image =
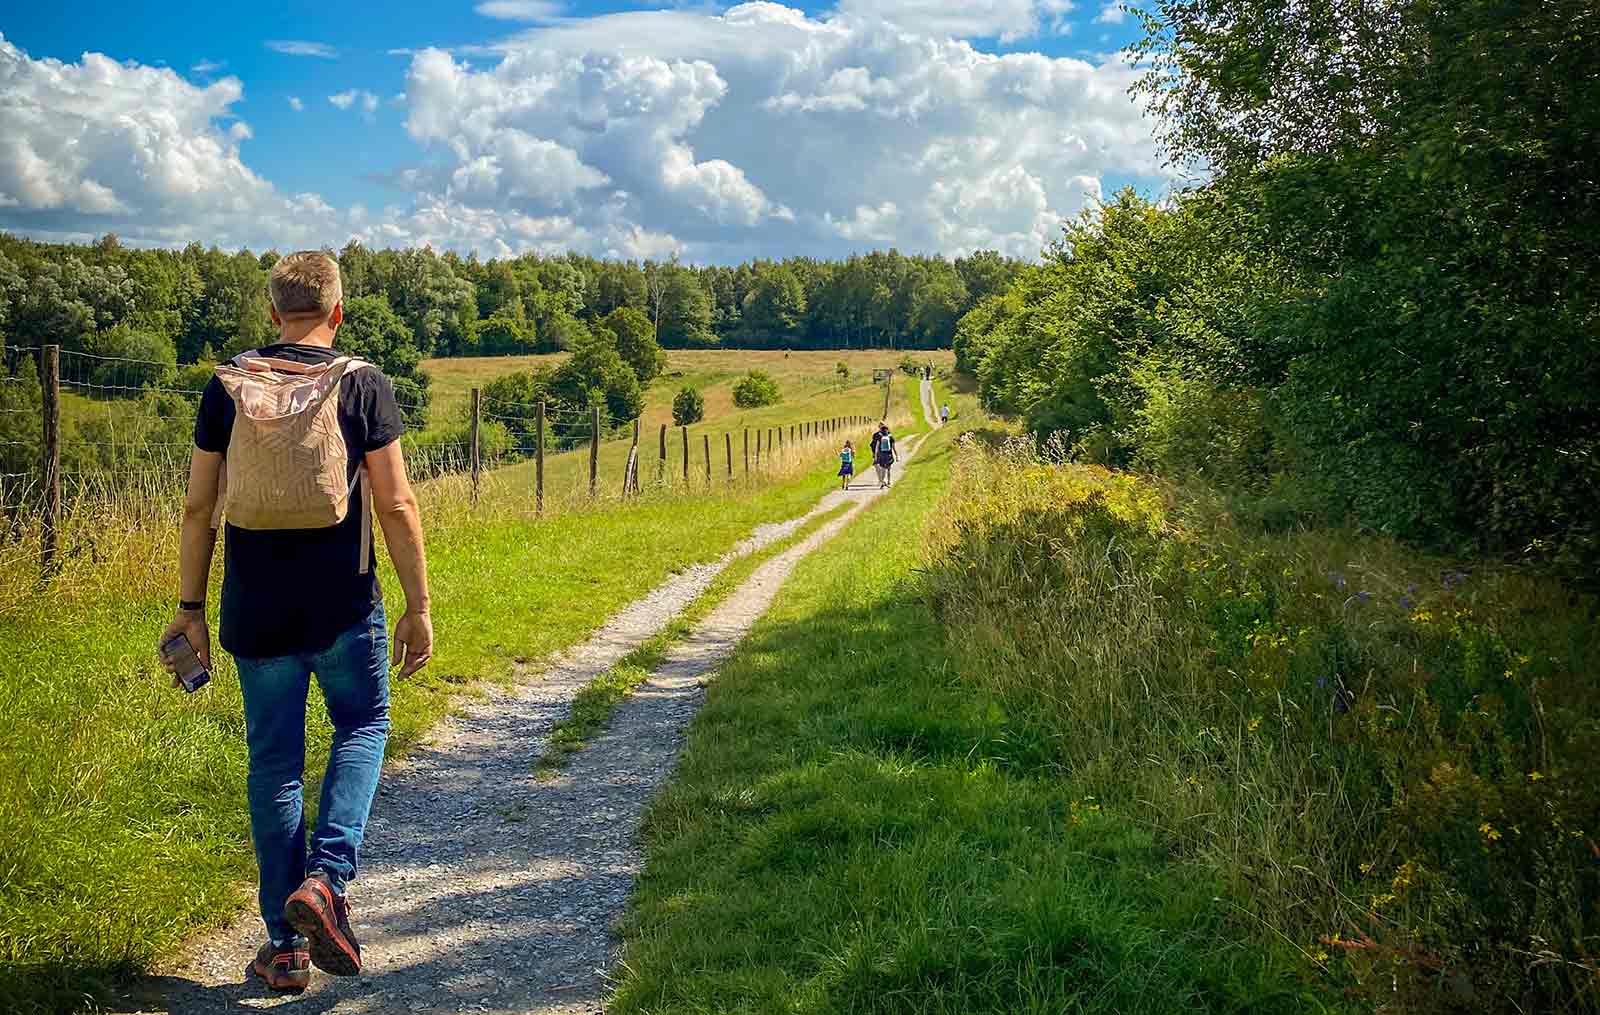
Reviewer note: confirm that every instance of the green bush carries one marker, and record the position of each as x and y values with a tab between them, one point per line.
755	389
688	407
842	369
439	451
910	366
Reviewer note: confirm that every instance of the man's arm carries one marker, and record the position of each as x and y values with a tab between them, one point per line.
396	507
196	542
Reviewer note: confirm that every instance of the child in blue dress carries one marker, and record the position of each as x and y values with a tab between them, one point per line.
847	464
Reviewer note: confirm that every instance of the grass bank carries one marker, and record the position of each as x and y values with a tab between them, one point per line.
112	785
854	828
1386	758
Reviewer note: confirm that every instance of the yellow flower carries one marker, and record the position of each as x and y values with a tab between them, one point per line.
1254	724
1319	956
1403	876
1421	616
1489	832
1192	781
1535	776
1379	901
1366	868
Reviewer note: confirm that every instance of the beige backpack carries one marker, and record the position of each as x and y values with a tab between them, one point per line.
287	463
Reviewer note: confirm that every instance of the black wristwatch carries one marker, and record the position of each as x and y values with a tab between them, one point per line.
191	605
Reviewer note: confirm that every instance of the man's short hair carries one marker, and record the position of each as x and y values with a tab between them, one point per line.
304	285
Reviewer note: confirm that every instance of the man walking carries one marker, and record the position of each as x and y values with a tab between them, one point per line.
883	455
311	443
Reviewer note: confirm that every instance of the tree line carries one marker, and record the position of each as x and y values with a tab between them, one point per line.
199	304
1382	308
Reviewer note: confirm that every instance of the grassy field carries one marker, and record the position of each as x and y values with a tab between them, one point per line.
713	372
891	838
111	783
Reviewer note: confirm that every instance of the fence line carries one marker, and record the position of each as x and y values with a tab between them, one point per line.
127	442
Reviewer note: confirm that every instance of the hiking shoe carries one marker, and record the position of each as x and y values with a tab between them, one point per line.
323	916
283	967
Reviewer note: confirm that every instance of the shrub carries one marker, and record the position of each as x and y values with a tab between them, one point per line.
910	366
438	451
842	369
688	407
755	389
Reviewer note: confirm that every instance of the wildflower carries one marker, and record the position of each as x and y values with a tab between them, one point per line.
1254	724
1489	832
1319	956
1535	776
1421	616
1406	603
1363	596
1404	876
1192	781
1366	868
1379	901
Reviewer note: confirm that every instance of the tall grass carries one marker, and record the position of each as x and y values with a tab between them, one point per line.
1387	758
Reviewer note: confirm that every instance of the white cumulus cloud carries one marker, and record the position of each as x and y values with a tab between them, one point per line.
367	101
1112	13
295	103
757	131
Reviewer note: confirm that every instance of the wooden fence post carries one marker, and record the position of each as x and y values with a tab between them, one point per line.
707	438
887	389
747	451
758	450
594	450
50	464
630	483
538	458
685	456
661	469
477	458
727	439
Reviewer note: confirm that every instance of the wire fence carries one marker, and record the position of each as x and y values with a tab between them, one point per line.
90	441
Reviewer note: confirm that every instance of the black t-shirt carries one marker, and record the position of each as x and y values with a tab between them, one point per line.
288	591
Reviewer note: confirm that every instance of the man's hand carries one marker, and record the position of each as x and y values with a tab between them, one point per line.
192	625
413	642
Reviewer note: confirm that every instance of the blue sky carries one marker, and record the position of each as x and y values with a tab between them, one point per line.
618	129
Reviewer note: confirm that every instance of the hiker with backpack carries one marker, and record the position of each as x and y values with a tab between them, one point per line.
883	454
296	446
847	464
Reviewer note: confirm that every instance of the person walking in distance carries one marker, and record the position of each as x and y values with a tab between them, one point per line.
847	464
883	454
944	415
296	445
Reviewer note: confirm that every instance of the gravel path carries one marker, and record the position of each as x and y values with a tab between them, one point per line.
929	411
486	890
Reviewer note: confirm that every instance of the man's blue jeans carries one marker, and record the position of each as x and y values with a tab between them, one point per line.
353	673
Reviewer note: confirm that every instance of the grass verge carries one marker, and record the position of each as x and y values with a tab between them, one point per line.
889	838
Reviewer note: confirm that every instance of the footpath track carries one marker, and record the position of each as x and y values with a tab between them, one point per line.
484	888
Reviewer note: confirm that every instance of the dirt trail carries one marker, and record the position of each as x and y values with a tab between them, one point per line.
485	889
929	411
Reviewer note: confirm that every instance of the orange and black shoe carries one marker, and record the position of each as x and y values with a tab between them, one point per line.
323	916
283	967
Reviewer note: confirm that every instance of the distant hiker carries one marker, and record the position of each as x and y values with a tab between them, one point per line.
883	456
307	437
847	464
944	415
